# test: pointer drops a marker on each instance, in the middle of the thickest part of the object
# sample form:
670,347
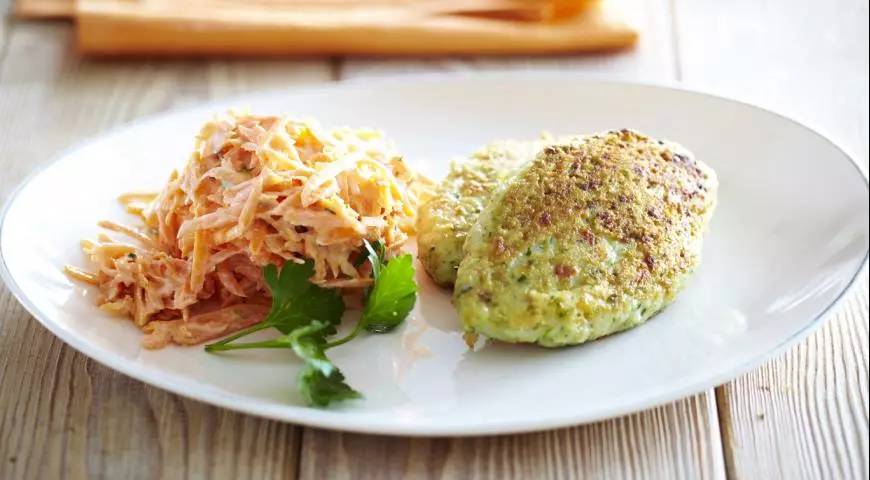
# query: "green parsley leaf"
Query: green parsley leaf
321,390
320,382
296,303
307,314
390,299
393,296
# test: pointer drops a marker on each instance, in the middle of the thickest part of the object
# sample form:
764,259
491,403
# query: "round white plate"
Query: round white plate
788,239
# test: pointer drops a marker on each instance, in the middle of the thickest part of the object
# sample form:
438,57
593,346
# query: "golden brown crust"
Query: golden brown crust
611,181
444,222
590,238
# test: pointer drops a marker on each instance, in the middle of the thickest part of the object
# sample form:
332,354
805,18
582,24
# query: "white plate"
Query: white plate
788,239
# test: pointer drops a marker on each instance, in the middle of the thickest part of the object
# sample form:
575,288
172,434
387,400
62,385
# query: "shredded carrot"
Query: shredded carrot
256,190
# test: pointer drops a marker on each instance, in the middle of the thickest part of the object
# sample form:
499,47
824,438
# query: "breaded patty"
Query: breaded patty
589,239
444,222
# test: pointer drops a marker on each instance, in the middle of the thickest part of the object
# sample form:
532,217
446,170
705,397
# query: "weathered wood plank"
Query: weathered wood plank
804,414
62,415
677,441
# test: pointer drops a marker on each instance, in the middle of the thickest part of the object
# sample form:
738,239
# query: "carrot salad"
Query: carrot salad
257,190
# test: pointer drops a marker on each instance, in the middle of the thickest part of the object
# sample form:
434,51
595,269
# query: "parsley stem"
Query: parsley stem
277,343
213,347
349,337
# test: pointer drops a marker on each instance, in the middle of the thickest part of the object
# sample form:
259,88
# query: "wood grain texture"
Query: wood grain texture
676,441
805,59
61,414
805,414
51,99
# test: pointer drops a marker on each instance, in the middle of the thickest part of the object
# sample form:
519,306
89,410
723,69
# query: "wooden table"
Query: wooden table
802,415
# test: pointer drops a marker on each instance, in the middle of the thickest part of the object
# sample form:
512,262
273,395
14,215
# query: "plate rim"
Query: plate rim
289,413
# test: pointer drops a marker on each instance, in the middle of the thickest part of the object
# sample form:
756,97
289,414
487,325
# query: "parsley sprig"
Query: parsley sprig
307,315
390,299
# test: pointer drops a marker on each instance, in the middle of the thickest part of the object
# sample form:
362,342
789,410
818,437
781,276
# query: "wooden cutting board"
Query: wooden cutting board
338,27
45,8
